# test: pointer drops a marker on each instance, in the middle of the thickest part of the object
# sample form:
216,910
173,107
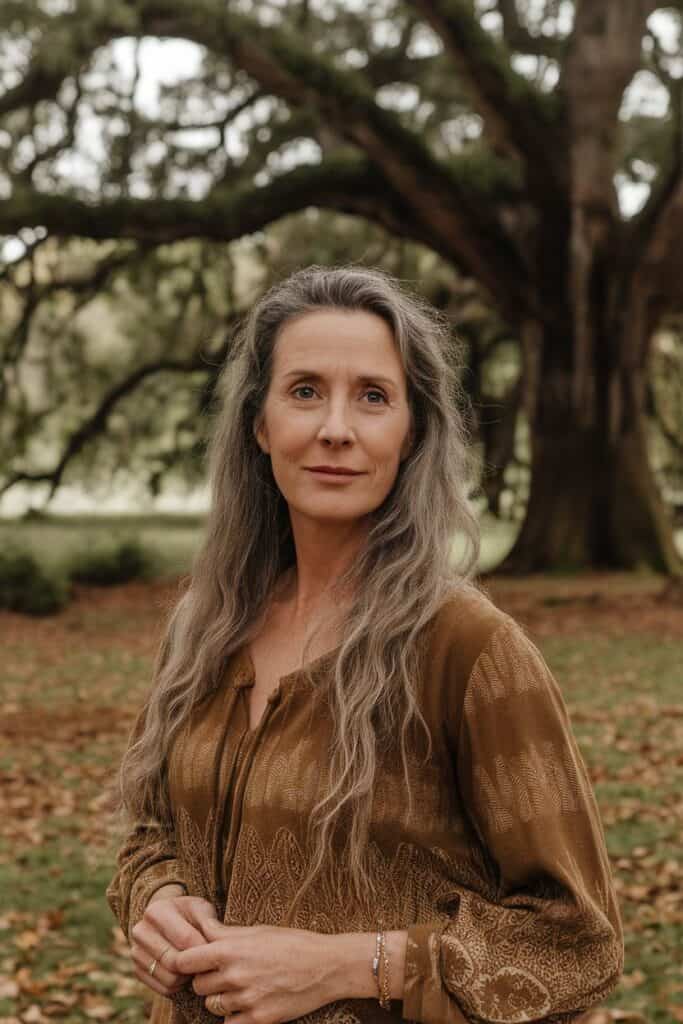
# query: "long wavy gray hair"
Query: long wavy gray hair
407,567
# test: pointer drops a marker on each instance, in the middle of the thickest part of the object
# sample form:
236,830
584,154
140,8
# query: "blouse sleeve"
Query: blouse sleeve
543,941
146,861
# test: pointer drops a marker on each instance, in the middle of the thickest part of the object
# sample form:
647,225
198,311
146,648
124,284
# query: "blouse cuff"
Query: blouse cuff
424,996
154,878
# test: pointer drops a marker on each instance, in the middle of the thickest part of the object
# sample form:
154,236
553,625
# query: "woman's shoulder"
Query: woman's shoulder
470,632
463,628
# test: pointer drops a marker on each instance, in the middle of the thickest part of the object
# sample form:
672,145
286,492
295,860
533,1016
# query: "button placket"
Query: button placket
246,751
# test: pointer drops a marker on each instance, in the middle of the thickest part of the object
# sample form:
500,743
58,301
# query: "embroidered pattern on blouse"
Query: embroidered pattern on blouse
499,672
521,787
195,856
512,959
292,784
495,959
332,1013
195,851
412,885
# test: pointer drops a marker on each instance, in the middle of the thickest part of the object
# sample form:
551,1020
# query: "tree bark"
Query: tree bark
594,501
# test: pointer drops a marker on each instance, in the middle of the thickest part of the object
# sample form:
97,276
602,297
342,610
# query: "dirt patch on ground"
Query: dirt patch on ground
600,602
71,724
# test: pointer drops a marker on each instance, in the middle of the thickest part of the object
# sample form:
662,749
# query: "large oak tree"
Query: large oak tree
489,132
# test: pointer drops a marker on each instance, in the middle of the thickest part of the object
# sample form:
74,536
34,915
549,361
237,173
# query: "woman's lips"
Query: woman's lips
328,474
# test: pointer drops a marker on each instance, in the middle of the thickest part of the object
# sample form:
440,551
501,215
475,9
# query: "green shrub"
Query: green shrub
104,566
26,587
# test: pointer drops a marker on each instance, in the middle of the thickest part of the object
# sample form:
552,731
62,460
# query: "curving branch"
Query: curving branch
518,117
347,184
416,185
71,114
65,49
96,424
84,287
467,231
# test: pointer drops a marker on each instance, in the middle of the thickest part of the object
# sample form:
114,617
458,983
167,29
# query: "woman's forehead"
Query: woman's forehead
332,342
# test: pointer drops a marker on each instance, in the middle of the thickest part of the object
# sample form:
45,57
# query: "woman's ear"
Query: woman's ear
407,445
261,436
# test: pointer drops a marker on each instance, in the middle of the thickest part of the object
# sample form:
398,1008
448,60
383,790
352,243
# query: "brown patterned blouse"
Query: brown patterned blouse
500,875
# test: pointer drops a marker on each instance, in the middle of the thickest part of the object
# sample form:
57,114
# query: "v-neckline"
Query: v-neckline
246,677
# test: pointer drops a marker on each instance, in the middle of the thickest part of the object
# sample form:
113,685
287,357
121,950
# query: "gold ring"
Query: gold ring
217,1007
153,966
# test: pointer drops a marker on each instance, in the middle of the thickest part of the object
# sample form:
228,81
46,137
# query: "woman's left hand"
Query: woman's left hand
260,974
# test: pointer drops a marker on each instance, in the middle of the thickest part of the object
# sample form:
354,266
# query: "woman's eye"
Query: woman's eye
302,387
369,391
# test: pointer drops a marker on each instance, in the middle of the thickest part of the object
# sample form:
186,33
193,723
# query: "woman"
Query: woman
354,787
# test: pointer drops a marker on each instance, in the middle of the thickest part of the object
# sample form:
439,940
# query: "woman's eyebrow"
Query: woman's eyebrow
363,378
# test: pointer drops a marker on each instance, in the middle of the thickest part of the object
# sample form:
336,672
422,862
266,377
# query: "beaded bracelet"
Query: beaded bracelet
380,969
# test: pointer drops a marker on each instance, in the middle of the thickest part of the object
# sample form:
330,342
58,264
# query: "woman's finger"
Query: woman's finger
172,919
218,1004
209,983
146,937
150,967
199,912
155,957
152,982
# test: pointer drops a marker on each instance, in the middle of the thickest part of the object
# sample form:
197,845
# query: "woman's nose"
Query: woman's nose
336,422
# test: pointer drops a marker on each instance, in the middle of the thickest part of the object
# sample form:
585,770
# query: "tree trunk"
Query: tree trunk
593,503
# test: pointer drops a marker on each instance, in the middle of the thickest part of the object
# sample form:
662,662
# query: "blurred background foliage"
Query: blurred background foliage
161,165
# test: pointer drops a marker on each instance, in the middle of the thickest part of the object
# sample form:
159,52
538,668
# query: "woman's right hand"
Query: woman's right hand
171,923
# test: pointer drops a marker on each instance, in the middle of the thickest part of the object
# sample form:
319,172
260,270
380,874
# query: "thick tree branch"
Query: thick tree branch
346,184
469,232
517,115
349,185
603,58
425,190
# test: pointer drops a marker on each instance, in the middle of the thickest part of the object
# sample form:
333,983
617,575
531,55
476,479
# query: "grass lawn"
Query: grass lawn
69,688
170,539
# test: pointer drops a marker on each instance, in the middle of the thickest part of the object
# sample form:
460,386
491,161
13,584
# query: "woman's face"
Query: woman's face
337,397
